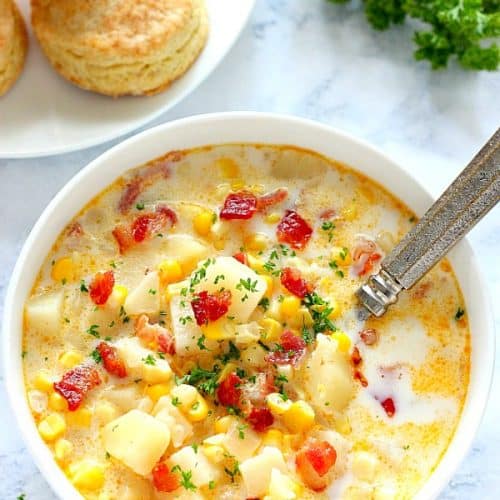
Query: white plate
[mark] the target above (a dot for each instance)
(44, 115)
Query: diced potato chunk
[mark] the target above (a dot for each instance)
(246, 286)
(180, 427)
(186, 331)
(135, 356)
(136, 439)
(195, 462)
(328, 376)
(43, 312)
(125, 397)
(256, 471)
(241, 441)
(185, 249)
(282, 487)
(145, 297)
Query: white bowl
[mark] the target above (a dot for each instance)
(237, 128)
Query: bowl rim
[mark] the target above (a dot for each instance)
(196, 127)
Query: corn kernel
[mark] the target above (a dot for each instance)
(222, 424)
(341, 256)
(277, 404)
(70, 359)
(52, 427)
(118, 295)
(80, 418)
(299, 417)
(290, 306)
(156, 391)
(256, 242)
(229, 368)
(218, 330)
(273, 218)
(272, 329)
(63, 270)
(273, 437)
(350, 212)
(343, 340)
(342, 425)
(256, 264)
(219, 244)
(364, 465)
(43, 382)
(57, 402)
(62, 449)
(170, 271)
(203, 222)
(228, 167)
(198, 410)
(237, 184)
(269, 286)
(87, 474)
(214, 452)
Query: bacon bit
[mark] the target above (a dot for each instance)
(75, 384)
(154, 337)
(294, 230)
(369, 336)
(260, 419)
(210, 306)
(240, 205)
(74, 229)
(292, 280)
(241, 257)
(314, 460)
(101, 286)
(362, 379)
(161, 168)
(291, 350)
(389, 407)
(328, 214)
(228, 392)
(356, 357)
(143, 227)
(110, 360)
(164, 479)
(273, 198)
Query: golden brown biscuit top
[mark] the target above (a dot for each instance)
(6, 31)
(103, 25)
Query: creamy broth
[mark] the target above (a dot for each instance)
(193, 334)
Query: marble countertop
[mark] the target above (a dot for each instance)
(319, 61)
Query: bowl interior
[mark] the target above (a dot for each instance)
(227, 128)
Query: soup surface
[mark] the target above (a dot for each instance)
(194, 334)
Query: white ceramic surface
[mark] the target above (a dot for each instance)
(240, 127)
(43, 114)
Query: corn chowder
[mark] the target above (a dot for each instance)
(193, 334)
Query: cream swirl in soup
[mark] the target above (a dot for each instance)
(193, 333)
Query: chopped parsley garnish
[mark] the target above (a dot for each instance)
(460, 313)
(241, 430)
(339, 273)
(201, 343)
(233, 353)
(204, 380)
(83, 287)
(123, 315)
(333, 264)
(328, 227)
(195, 447)
(186, 476)
(320, 311)
(264, 303)
(343, 253)
(22, 496)
(247, 284)
(185, 319)
(96, 356)
(175, 401)
(152, 291)
(233, 472)
(92, 330)
(264, 346)
(211, 484)
(218, 278)
(149, 360)
(139, 206)
(24, 354)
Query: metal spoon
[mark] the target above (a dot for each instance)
(467, 200)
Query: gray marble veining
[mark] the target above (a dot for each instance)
(312, 59)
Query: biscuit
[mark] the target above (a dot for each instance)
(127, 47)
(13, 44)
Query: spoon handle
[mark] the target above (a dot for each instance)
(471, 195)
